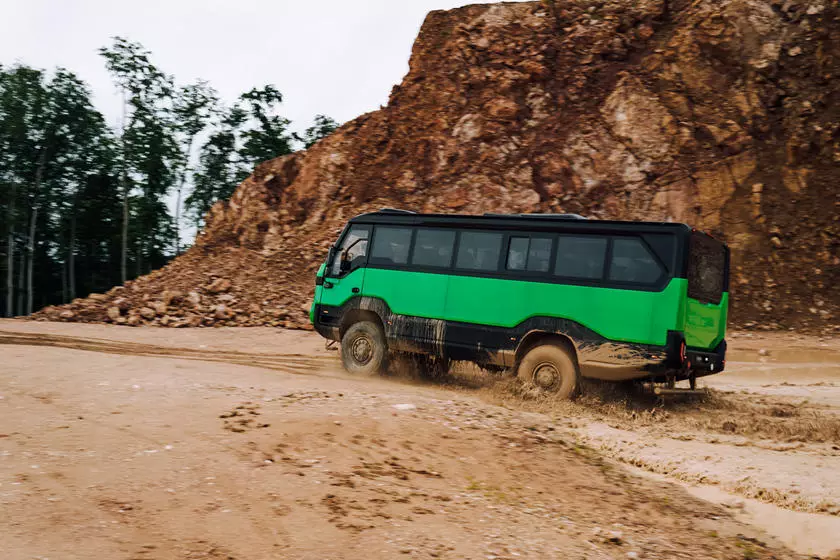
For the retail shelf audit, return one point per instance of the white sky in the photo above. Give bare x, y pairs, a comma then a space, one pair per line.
334, 57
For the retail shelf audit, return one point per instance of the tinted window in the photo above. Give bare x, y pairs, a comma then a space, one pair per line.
433, 247
580, 257
539, 254
356, 240
532, 254
633, 262
479, 251
706, 268
517, 253
390, 245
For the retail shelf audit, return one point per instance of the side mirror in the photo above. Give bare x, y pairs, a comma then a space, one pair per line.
345, 262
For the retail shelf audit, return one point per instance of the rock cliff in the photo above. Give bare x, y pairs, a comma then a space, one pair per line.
724, 114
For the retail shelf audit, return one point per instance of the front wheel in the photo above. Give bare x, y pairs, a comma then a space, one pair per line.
552, 369
363, 349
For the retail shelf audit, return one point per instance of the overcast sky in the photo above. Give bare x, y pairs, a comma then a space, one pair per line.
334, 57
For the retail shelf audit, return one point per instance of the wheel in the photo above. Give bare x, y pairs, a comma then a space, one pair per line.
552, 369
363, 349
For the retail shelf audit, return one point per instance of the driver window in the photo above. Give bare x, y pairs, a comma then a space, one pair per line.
358, 249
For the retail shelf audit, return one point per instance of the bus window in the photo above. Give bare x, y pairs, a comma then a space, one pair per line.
532, 254
357, 251
517, 253
539, 254
632, 262
390, 245
479, 251
706, 269
581, 257
433, 247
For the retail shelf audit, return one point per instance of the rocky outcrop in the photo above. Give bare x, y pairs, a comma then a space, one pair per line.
721, 113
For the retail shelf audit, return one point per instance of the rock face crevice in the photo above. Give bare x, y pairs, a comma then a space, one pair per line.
724, 114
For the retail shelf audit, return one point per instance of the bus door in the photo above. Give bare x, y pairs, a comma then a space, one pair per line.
345, 274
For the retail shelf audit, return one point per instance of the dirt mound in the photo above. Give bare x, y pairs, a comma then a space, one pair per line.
722, 113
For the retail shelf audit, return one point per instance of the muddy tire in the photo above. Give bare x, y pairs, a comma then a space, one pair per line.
363, 349
552, 369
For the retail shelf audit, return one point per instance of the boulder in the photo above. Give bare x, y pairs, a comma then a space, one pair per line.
147, 313
219, 285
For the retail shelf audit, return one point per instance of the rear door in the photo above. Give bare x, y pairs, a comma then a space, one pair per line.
708, 297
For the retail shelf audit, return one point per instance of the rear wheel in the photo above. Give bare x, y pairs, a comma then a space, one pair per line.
552, 369
363, 349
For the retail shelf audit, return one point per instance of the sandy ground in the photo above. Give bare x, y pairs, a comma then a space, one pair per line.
252, 443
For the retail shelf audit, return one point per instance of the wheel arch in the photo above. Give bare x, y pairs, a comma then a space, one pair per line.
353, 316
536, 338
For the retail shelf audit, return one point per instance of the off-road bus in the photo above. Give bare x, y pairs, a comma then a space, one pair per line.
551, 297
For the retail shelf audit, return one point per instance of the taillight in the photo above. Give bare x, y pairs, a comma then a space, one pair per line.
682, 352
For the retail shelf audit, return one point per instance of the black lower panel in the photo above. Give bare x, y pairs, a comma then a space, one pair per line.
496, 345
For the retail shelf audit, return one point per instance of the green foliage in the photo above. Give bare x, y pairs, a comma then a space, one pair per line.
84, 206
267, 135
323, 127
220, 167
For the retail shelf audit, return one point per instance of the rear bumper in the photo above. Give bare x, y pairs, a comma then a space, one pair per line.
688, 361
657, 363
705, 362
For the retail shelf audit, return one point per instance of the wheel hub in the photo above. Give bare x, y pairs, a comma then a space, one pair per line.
362, 350
546, 375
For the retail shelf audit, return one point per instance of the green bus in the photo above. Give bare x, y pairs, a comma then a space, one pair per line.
552, 297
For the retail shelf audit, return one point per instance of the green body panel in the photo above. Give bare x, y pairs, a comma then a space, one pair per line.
620, 315
341, 288
704, 324
318, 289
415, 294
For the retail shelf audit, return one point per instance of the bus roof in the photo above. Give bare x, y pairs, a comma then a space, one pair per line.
542, 222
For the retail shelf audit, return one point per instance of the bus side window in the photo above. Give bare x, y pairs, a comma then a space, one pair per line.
529, 253
539, 254
632, 262
433, 248
479, 251
517, 253
390, 245
581, 257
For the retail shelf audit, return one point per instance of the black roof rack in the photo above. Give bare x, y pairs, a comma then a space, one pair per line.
395, 211
549, 216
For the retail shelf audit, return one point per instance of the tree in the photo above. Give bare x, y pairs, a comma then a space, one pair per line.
148, 148
267, 137
248, 133
323, 127
194, 107
220, 168
85, 149
83, 207
25, 142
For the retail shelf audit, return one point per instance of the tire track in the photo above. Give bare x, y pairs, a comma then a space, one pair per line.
298, 364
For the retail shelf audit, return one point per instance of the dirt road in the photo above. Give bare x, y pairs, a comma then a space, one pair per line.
252, 443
